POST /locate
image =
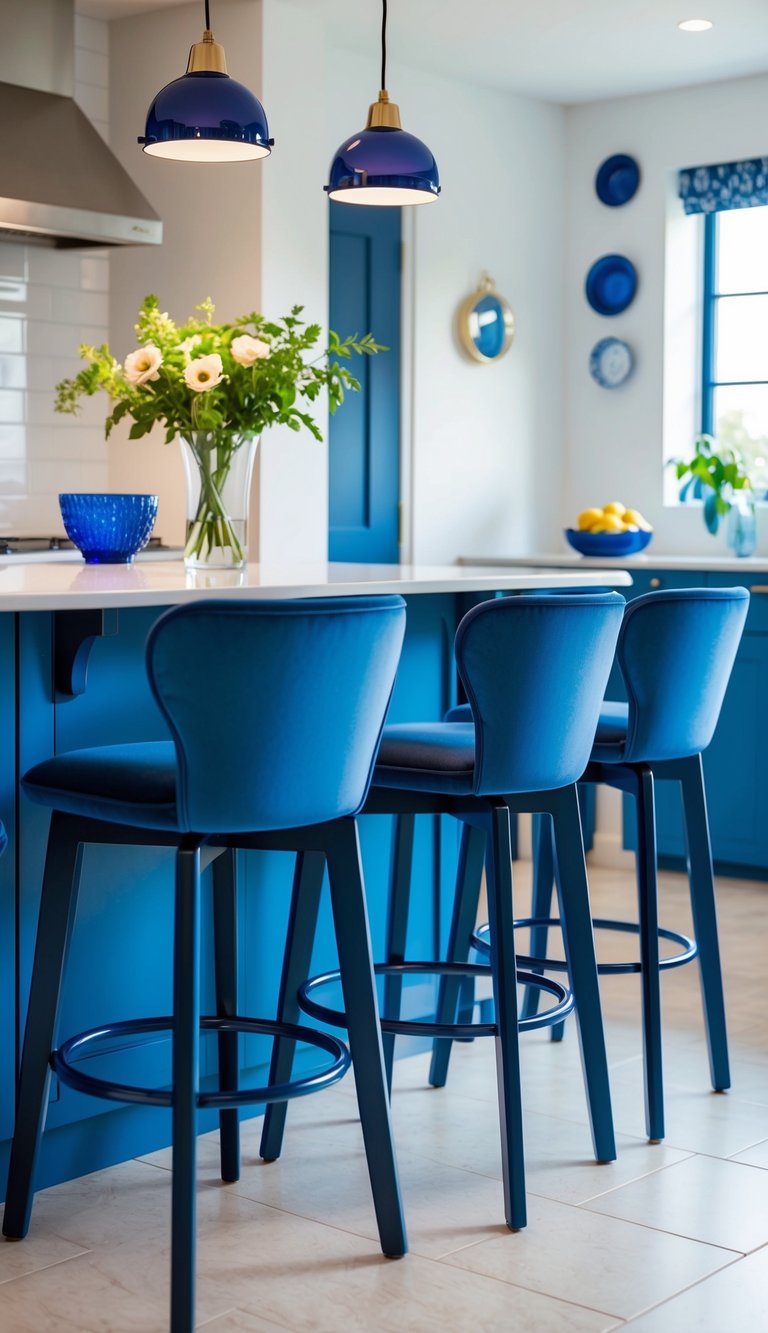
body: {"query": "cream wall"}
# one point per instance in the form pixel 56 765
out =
pixel 485 440
pixel 614 438
pixel 211 217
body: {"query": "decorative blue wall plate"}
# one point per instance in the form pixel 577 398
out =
pixel 611 284
pixel 611 362
pixel 617 180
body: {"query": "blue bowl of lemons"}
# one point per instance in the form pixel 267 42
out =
pixel 613 530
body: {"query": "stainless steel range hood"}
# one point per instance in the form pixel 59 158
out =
pixel 59 182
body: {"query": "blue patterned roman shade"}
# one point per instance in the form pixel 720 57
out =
pixel 725 185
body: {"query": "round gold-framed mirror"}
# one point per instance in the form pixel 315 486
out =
pixel 485 322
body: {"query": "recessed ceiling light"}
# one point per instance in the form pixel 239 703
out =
pixel 695 25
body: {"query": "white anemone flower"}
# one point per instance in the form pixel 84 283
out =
pixel 143 364
pixel 245 349
pixel 188 345
pixel 204 373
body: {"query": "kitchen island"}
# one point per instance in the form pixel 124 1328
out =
pixel 72 651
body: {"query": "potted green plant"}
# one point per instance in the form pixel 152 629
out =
pixel 720 478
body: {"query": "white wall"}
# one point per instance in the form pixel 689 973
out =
pixel 211 217
pixel 485 438
pixel 614 438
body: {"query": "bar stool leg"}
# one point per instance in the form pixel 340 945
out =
pixel 647 897
pixel 579 944
pixel 353 940
pixel 504 972
pixel 186 1038
pixel 397 926
pixel 541 906
pixel 297 965
pixel 704 913
pixel 225 967
pixel 463 921
pixel 57 913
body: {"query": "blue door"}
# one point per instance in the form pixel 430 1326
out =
pixel 364 437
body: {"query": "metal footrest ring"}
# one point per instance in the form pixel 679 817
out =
pixel 428 1028
pixel 62 1063
pixel 688 947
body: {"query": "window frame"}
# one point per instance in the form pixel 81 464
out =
pixel 710 297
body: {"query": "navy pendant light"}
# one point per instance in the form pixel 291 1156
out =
pixel 205 116
pixel 382 164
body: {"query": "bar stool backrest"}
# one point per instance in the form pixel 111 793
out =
pixel 535 669
pixel 676 651
pixel 275 708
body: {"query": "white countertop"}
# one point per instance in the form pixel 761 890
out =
pixel 716 564
pixel 67 585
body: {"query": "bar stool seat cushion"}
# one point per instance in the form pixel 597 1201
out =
pixel 3 838
pixel 427 756
pixel 611 734
pixel 122 784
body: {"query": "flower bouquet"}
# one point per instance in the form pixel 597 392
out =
pixel 217 387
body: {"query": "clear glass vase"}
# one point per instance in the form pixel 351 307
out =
pixel 218 466
pixel 741 529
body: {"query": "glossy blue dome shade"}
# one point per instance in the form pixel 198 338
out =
pixel 383 165
pixel 206 116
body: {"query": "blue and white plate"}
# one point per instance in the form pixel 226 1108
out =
pixel 611 284
pixel 611 362
pixel 617 180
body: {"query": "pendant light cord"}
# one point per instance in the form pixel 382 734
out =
pixel 383 83
pixel 207 16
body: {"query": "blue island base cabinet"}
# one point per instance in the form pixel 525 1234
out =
pixel 120 965
pixel 736 763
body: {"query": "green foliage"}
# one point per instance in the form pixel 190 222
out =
pixel 717 475
pixel 245 400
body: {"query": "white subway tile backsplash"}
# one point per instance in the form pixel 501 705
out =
pixel 13 442
pixel 91 34
pixel 94 272
pixel 63 474
pixel 13 476
pixel 11 333
pixel 78 307
pixel 12 407
pixel 51 301
pixel 53 268
pixel 13 260
pixel 13 372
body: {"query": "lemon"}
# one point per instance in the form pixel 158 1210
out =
pixel 587 517
pixel 615 507
pixel 598 527
pixel 611 523
pixel 634 516
pixel 631 527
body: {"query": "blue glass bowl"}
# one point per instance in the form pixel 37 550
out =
pixel 108 529
pixel 608 543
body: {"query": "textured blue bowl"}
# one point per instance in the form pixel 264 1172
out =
pixel 608 543
pixel 108 529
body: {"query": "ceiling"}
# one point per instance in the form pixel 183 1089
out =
pixel 560 50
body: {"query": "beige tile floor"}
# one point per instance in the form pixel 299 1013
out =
pixel 671 1238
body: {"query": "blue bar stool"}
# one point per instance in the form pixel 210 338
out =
pixel 676 651
pixel 284 765
pixel 534 669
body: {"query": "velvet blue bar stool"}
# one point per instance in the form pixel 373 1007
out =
pixel 676 651
pixel 534 670
pixel 285 764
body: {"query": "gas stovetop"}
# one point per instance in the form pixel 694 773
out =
pixel 31 545
pixel 42 549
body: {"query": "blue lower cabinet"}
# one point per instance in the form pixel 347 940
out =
pixel 120 964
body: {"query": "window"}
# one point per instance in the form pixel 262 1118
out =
pixel 734 397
